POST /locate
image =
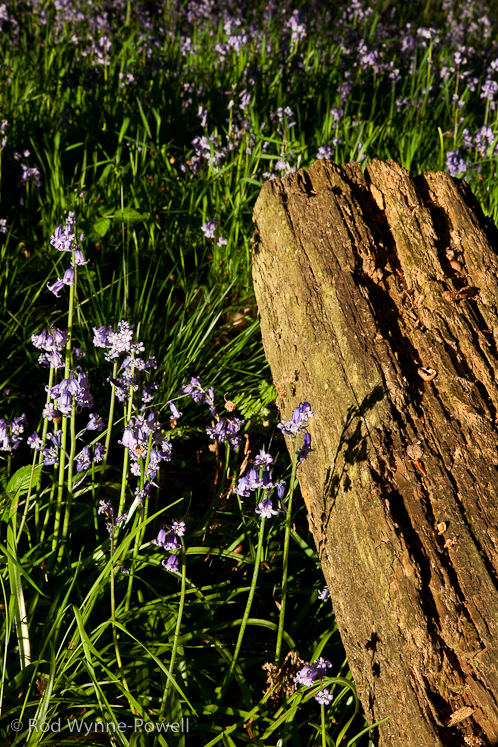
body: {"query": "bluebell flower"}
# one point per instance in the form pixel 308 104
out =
pixel 324 697
pixel 171 564
pixel 100 336
pixel 79 259
pixel 68 277
pixel 129 439
pixel 263 459
pixel 242 488
pixel 178 528
pixel 55 437
pixel 311 672
pixel 98 452
pixel 64 403
pixel 50 456
pixel 56 287
pixel 171 543
pixel 265 509
pixel 35 442
pixel 106 507
pixel 50 412
pixel 281 486
pixel 64 239
pixel 39 340
pixel 324 594
pixel 83 460
pixel 306 676
pixel 95 423
pixel 298 421
pixel 266 480
pixel 253 480
pixel 160 540
pixel 175 412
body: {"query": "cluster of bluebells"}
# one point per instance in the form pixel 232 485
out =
pixel 259 477
pixel 52 342
pixel 11 432
pixel 168 540
pixel 225 429
pixel 71 392
pixel 209 230
pixel 143 430
pixel 106 508
pixel 120 342
pixel 484 143
pixel 298 424
pixel 310 673
pixel 64 240
pixel 143 435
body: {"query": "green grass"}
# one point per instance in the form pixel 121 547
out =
pixel 112 133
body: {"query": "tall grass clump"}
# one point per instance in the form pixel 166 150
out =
pixel 156 564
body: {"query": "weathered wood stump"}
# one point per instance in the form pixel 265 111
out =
pixel 378 297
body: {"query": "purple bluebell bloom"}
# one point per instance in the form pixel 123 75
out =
pixel 171 564
pixel 306 676
pixel 265 509
pixel 242 488
pixel 178 528
pixel 64 403
pixel 68 277
pixel 35 442
pixel 160 540
pixel 50 456
pixel 83 460
pixel 324 594
pixel 79 259
pixel 263 459
pixel 95 423
pixel 106 507
pixel 281 487
pixel 98 452
pixel 175 412
pixel 253 480
pixel 50 412
pixel 298 421
pixel 311 672
pixel 56 287
pixel 324 697
pixel 266 480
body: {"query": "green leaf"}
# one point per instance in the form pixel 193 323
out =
pixel 129 215
pixel 21 480
pixel 101 226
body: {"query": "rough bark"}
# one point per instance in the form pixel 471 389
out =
pixel 378 297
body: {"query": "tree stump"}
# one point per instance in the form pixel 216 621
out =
pixel 378 298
